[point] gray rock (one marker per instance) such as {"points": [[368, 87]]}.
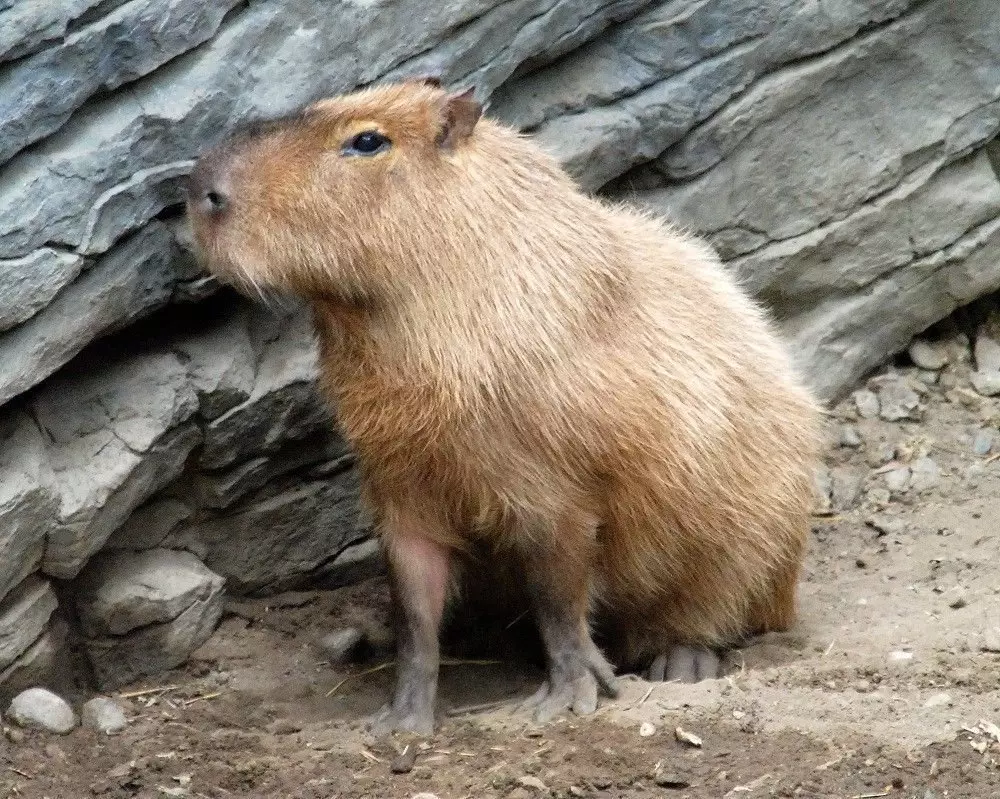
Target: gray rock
{"points": [[117, 438], [983, 441], [824, 490], [24, 616], [897, 480], [29, 503], [987, 353], [866, 403], [898, 401], [104, 715], [924, 474], [47, 662], [150, 524], [849, 437], [284, 404], [121, 591], [986, 383], [130, 282], [28, 284], [276, 542], [354, 563], [339, 646], [39, 707], [928, 355], [118, 660], [846, 485], [27, 27]]}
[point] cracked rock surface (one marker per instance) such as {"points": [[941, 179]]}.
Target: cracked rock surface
{"points": [[842, 157]]}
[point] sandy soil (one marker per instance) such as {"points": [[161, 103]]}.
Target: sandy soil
{"points": [[888, 686]]}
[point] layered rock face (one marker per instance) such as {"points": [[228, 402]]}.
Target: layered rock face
{"points": [[163, 441]]}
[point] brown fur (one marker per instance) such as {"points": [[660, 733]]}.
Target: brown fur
{"points": [[524, 367]]}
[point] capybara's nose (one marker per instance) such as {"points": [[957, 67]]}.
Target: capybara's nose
{"points": [[208, 188]]}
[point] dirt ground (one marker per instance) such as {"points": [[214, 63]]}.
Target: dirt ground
{"points": [[889, 685]]}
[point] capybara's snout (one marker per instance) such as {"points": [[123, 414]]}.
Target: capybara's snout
{"points": [[209, 187]]}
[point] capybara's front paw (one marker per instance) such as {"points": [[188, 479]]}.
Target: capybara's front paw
{"points": [[573, 686], [389, 720]]}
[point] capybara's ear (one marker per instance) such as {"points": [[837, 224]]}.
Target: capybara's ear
{"points": [[460, 113], [427, 80]]}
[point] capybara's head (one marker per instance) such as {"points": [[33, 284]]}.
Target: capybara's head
{"points": [[309, 202]]}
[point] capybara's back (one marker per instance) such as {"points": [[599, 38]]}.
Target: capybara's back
{"points": [[578, 390]]}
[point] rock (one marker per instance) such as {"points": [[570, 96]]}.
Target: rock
{"points": [[938, 700], [987, 353], [535, 784], [867, 404], [28, 501], [128, 283], [119, 592], [646, 729], [30, 283], [927, 354], [886, 525], [339, 646], [983, 441], [986, 383], [990, 641], [104, 715], [897, 480], [117, 437], [118, 660], [40, 708], [823, 491], [276, 542], [849, 437], [354, 563], [925, 474], [24, 616], [150, 524], [898, 401], [46, 662]]}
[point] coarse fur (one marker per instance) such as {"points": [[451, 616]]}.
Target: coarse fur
{"points": [[525, 369]]}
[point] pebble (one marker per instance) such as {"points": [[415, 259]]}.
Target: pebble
{"points": [[849, 437], [867, 403], [534, 783], [986, 383], [886, 525], [899, 656], [646, 729], [670, 779], [15, 736], [983, 441], [897, 480], [897, 401], [846, 485], [404, 761], [927, 355], [104, 715], [39, 707], [987, 353], [924, 474], [340, 645], [991, 640], [937, 700]]}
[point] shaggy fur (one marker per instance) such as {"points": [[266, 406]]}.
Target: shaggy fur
{"points": [[528, 369]]}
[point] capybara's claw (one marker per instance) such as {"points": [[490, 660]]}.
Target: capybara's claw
{"points": [[685, 664]]}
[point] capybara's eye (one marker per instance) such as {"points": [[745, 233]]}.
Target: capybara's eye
{"points": [[368, 143]]}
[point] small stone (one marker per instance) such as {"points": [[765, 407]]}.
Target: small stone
{"points": [[849, 437], [958, 602], [646, 729], [924, 474], [899, 656], [897, 401], [982, 443], [938, 700], [670, 779], [991, 640], [339, 646], [104, 715], [40, 708], [283, 727], [867, 403], [846, 485], [576, 791], [13, 735], [534, 783], [879, 497], [688, 738], [403, 762], [986, 383], [987, 353], [927, 355], [823, 490], [897, 480], [881, 455]]}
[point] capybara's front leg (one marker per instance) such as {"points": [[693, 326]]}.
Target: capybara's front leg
{"points": [[557, 572], [418, 570]]}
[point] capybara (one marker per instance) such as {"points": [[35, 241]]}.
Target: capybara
{"points": [[535, 382]]}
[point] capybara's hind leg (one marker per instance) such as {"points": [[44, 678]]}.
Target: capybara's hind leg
{"points": [[557, 579], [684, 663], [418, 571]]}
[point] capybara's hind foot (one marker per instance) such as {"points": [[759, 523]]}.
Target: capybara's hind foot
{"points": [[685, 664]]}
